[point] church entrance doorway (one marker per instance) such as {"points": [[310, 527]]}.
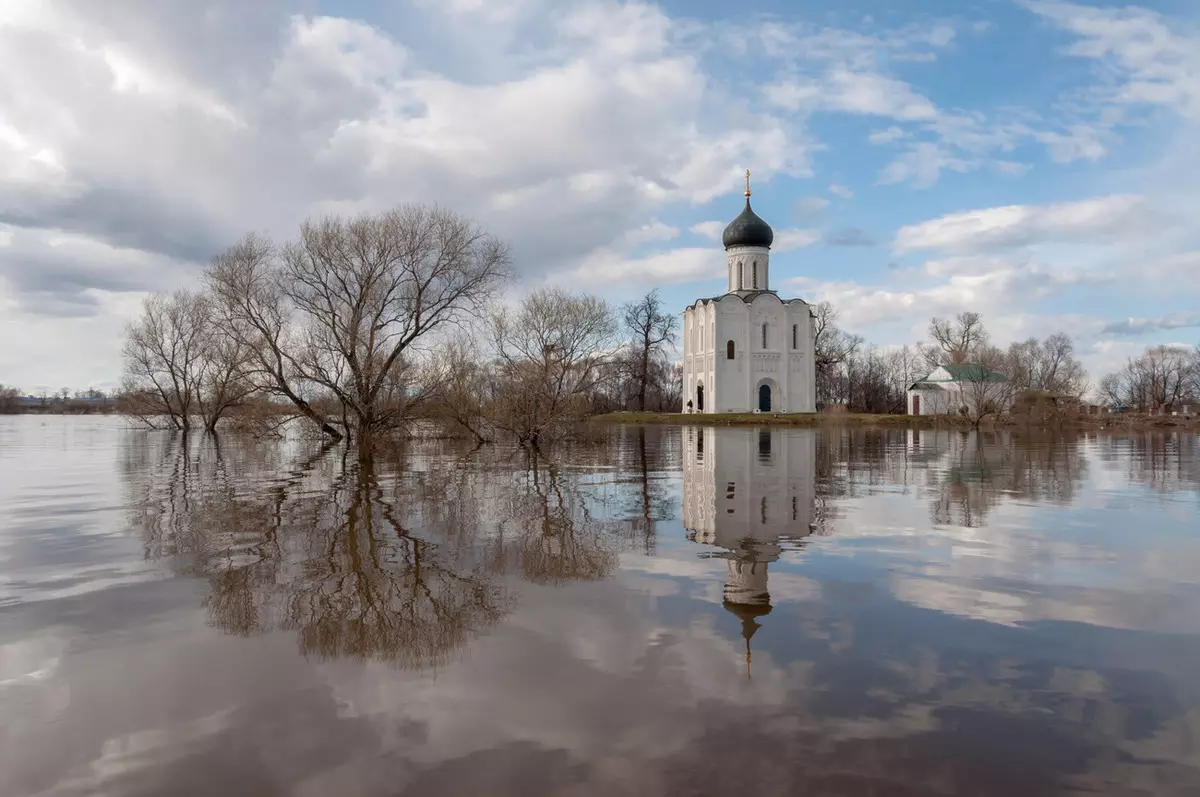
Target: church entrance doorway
{"points": [[764, 398], [699, 398]]}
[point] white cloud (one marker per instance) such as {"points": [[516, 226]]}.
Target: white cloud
{"points": [[1154, 62], [789, 239], [993, 291], [887, 136], [922, 165], [1022, 225], [852, 92], [689, 264], [617, 266], [837, 189], [652, 232], [710, 229], [1140, 326], [811, 206]]}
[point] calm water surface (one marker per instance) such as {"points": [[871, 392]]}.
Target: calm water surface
{"points": [[675, 612]]}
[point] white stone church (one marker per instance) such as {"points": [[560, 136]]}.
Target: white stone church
{"points": [[748, 350]]}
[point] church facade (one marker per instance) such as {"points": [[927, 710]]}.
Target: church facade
{"points": [[748, 350]]}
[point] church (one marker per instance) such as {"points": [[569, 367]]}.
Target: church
{"points": [[748, 350]]}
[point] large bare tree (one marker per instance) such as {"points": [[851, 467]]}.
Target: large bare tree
{"points": [[348, 311], [550, 351], [955, 341], [651, 330]]}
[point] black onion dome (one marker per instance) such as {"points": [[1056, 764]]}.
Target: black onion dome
{"points": [[748, 230]]}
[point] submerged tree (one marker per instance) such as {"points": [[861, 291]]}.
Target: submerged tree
{"points": [[549, 356], [180, 364], [346, 312]]}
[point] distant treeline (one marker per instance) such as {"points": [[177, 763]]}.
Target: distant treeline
{"points": [[84, 402]]}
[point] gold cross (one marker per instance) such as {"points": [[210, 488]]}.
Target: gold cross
{"points": [[747, 183]]}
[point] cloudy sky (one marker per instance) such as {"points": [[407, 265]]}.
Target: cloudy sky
{"points": [[1028, 159]]}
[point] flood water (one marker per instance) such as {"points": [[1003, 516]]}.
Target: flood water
{"points": [[663, 612]]}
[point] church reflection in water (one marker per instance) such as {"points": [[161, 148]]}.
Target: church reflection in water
{"points": [[751, 496]]}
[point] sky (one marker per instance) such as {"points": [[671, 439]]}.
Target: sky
{"points": [[1031, 160]]}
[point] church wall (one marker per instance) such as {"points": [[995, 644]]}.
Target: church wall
{"points": [[732, 385]]}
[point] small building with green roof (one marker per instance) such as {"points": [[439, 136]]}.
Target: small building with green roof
{"points": [[956, 389]]}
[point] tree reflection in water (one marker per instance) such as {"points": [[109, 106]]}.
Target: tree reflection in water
{"points": [[405, 559], [963, 474]]}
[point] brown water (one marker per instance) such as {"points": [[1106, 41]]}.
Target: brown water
{"points": [[666, 612]]}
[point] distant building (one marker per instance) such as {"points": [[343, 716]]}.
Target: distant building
{"points": [[949, 388], [748, 349]]}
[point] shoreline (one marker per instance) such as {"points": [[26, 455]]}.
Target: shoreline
{"points": [[1112, 422]]}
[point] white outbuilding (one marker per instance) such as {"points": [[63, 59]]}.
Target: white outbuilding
{"points": [[748, 350], [957, 389]]}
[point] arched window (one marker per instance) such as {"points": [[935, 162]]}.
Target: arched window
{"points": [[764, 331], [754, 273], [741, 277], [795, 329], [729, 350]]}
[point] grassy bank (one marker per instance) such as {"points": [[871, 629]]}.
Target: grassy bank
{"points": [[814, 419]]}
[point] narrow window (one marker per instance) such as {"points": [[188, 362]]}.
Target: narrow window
{"points": [[729, 350], [754, 273], [741, 277], [795, 328], [764, 331]]}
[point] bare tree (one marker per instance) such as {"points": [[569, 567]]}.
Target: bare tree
{"points": [[550, 352], [344, 311], [831, 347], [180, 364], [905, 366], [163, 351], [985, 389], [651, 330], [955, 341], [1162, 376], [1047, 366], [467, 390], [10, 399]]}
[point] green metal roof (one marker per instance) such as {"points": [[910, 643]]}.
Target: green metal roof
{"points": [[970, 372]]}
